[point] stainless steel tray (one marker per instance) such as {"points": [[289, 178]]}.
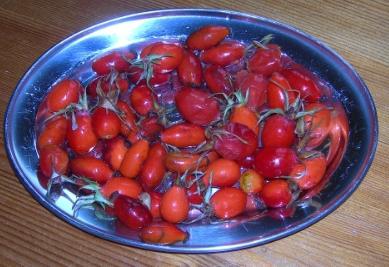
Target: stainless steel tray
{"points": [[71, 57]]}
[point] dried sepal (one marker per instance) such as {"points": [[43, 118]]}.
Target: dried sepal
{"points": [[171, 148], [264, 41], [296, 191], [219, 133], [91, 200], [310, 154], [258, 44], [147, 64], [268, 113], [235, 99], [101, 214], [208, 192], [56, 185], [305, 113], [300, 128]]}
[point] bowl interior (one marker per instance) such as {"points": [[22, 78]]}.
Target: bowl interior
{"points": [[72, 58]]}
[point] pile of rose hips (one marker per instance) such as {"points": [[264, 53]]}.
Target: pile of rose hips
{"points": [[211, 125]]}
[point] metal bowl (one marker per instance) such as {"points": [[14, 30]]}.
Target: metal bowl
{"points": [[71, 57]]}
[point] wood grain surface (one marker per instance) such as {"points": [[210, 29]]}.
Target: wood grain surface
{"points": [[356, 234]]}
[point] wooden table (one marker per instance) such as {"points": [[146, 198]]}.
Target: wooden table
{"points": [[357, 233]]}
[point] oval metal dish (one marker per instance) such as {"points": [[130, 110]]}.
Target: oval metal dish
{"points": [[71, 58]]}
